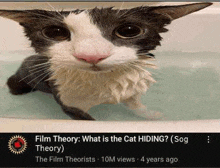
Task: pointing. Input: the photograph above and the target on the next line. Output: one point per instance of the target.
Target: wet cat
(94, 56)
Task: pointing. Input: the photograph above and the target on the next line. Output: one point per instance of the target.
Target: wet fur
(74, 86)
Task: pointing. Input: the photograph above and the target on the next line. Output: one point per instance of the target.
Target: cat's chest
(84, 90)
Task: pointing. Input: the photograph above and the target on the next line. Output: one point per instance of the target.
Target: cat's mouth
(95, 68)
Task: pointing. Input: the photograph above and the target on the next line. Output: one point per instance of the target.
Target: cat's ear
(17, 15)
(24, 16)
(174, 12)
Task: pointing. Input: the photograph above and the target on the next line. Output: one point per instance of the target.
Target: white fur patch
(85, 89)
(86, 37)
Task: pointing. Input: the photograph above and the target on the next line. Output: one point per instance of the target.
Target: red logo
(17, 144)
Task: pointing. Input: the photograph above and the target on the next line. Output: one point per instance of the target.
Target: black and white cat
(90, 57)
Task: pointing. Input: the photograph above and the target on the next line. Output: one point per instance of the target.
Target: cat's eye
(56, 33)
(129, 31)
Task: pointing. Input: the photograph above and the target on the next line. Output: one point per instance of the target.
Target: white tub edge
(27, 125)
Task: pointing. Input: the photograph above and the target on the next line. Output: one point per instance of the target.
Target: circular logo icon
(17, 144)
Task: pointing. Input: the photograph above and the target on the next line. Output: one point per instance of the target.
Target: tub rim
(76, 126)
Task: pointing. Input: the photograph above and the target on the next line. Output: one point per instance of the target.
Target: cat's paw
(18, 87)
(149, 115)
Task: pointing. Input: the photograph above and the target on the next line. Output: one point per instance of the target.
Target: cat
(88, 57)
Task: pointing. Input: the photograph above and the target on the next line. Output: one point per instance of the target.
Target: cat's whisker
(44, 66)
(36, 69)
(124, 13)
(45, 63)
(38, 76)
(54, 9)
(32, 74)
(127, 12)
(141, 64)
(120, 8)
(52, 18)
(32, 68)
(48, 73)
(34, 60)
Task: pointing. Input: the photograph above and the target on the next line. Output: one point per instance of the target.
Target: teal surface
(187, 88)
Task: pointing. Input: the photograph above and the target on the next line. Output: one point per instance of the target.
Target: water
(187, 88)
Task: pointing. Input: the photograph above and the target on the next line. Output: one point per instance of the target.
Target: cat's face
(102, 39)
(98, 39)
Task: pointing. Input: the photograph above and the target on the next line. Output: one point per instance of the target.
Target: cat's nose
(92, 59)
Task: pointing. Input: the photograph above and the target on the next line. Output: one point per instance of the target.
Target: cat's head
(98, 39)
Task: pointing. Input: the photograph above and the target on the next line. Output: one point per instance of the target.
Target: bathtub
(187, 91)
